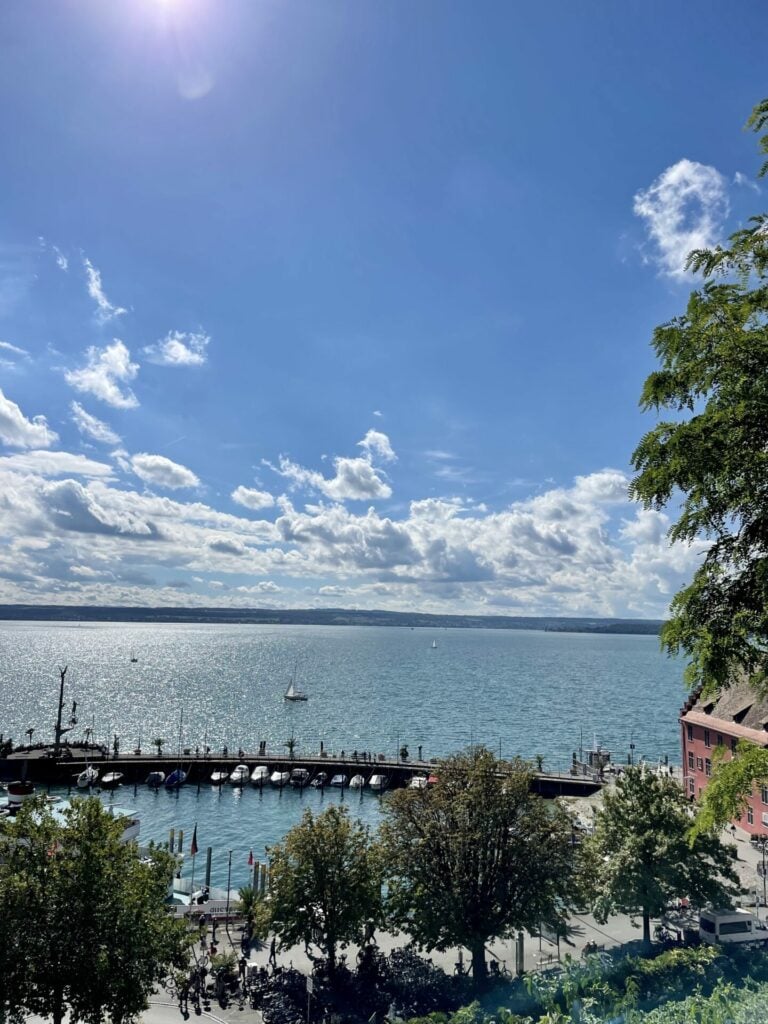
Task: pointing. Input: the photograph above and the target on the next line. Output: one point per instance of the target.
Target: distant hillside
(325, 617)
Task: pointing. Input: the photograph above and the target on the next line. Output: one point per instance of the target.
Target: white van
(722, 927)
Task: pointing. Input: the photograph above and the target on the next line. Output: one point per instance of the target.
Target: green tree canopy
(713, 450)
(648, 858)
(324, 883)
(476, 856)
(85, 919)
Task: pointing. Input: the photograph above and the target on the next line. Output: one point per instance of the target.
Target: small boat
(431, 780)
(88, 777)
(279, 778)
(176, 779)
(434, 645)
(18, 792)
(378, 782)
(356, 782)
(339, 780)
(294, 693)
(219, 778)
(260, 775)
(240, 775)
(134, 659)
(418, 782)
(155, 779)
(299, 778)
(111, 780)
(320, 780)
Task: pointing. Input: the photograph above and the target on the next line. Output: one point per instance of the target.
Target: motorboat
(18, 792)
(260, 775)
(339, 780)
(418, 782)
(240, 775)
(378, 782)
(155, 779)
(176, 779)
(320, 780)
(280, 779)
(219, 778)
(111, 780)
(356, 782)
(88, 777)
(299, 778)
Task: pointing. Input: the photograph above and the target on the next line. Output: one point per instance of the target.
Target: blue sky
(349, 304)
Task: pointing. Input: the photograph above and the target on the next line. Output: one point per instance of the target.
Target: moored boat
(155, 779)
(260, 775)
(320, 780)
(111, 780)
(418, 782)
(280, 779)
(356, 782)
(339, 780)
(18, 792)
(176, 779)
(240, 775)
(88, 777)
(378, 782)
(219, 778)
(299, 778)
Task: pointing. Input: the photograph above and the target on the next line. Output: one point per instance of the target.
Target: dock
(43, 767)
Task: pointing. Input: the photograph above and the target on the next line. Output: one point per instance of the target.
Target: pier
(46, 766)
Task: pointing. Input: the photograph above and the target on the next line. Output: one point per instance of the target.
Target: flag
(250, 859)
(193, 847)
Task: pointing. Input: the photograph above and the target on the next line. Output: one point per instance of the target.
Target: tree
(325, 883)
(476, 857)
(87, 918)
(249, 902)
(714, 451)
(159, 744)
(648, 858)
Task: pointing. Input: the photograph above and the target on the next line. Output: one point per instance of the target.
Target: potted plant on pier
(159, 744)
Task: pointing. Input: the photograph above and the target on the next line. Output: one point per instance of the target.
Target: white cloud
(377, 443)
(105, 310)
(158, 470)
(6, 346)
(105, 370)
(56, 464)
(91, 426)
(179, 349)
(61, 260)
(251, 498)
(744, 182)
(684, 209)
(19, 432)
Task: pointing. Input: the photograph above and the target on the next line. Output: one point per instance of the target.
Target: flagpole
(226, 913)
(193, 851)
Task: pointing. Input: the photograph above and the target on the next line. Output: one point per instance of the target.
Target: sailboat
(293, 692)
(134, 659)
(434, 645)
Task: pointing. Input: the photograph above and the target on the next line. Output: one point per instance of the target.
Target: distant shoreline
(324, 617)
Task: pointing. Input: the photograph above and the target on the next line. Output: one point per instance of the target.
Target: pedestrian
(241, 967)
(203, 943)
(272, 957)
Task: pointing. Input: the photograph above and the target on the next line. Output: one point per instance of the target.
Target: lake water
(370, 688)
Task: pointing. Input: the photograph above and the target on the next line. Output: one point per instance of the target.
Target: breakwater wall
(42, 768)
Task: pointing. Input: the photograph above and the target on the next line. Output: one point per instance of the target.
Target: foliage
(87, 918)
(249, 902)
(648, 859)
(476, 856)
(325, 883)
(714, 380)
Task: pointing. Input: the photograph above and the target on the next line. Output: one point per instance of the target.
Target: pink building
(707, 723)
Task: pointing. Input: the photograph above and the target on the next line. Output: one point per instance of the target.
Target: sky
(343, 303)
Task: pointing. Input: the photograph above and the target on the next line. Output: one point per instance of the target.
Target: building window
(734, 741)
(690, 734)
(690, 759)
(750, 816)
(719, 739)
(708, 766)
(706, 738)
(764, 794)
(700, 764)
(692, 785)
(764, 817)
